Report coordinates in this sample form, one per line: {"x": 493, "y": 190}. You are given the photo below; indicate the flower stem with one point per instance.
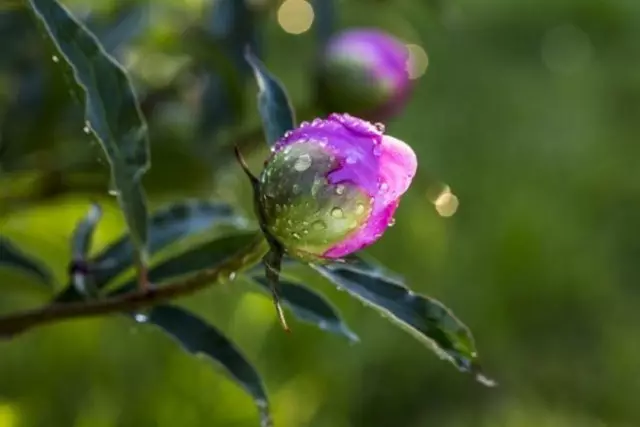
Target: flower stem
{"x": 14, "y": 324}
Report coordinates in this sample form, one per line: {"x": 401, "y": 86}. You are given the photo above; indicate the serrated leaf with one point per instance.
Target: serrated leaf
{"x": 83, "y": 233}
{"x": 198, "y": 337}
{"x": 274, "y": 105}
{"x": 166, "y": 226}
{"x": 13, "y": 257}
{"x": 309, "y": 306}
{"x": 112, "y": 113}
{"x": 425, "y": 318}
{"x": 204, "y": 256}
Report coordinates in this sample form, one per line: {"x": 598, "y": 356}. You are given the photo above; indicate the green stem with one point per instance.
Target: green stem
{"x": 14, "y": 324}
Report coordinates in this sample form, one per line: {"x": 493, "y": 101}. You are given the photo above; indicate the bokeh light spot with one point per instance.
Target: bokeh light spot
{"x": 446, "y": 203}
{"x": 417, "y": 62}
{"x": 295, "y": 16}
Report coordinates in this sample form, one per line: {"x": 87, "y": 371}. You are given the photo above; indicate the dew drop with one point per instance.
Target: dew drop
{"x": 114, "y": 192}
{"x": 351, "y": 159}
{"x": 316, "y": 122}
{"x": 380, "y": 127}
{"x": 86, "y": 130}
{"x": 302, "y": 163}
{"x": 304, "y": 124}
{"x": 55, "y": 59}
{"x": 295, "y": 189}
{"x": 392, "y": 222}
{"x": 340, "y": 189}
{"x": 287, "y": 134}
{"x": 384, "y": 187}
{"x": 337, "y": 213}
{"x": 296, "y": 235}
{"x": 319, "y": 225}
{"x": 232, "y": 275}
{"x": 359, "y": 209}
{"x": 141, "y": 318}
{"x": 278, "y": 208}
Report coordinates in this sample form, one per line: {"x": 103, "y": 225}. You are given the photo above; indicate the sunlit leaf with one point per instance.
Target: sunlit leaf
{"x": 166, "y": 226}
{"x": 198, "y": 337}
{"x": 13, "y": 257}
{"x": 309, "y": 306}
{"x": 274, "y": 105}
{"x": 112, "y": 113}
{"x": 425, "y": 318}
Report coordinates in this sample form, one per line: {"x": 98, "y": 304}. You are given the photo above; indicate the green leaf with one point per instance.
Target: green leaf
{"x": 12, "y": 257}
{"x": 112, "y": 113}
{"x": 309, "y": 306}
{"x": 198, "y": 337}
{"x": 121, "y": 26}
{"x": 274, "y": 105}
{"x": 202, "y": 257}
{"x": 425, "y": 318}
{"x": 166, "y": 226}
{"x": 83, "y": 233}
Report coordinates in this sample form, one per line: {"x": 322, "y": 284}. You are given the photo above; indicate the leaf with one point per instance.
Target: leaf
{"x": 12, "y": 257}
{"x": 204, "y": 256}
{"x": 111, "y": 111}
{"x": 83, "y": 233}
{"x": 425, "y": 318}
{"x": 198, "y": 337}
{"x": 166, "y": 226}
{"x": 274, "y": 105}
{"x": 309, "y": 306}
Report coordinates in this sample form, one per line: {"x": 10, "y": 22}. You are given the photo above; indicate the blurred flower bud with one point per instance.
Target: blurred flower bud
{"x": 331, "y": 187}
{"x": 364, "y": 72}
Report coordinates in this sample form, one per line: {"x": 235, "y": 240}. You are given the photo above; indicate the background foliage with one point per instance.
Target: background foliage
{"x": 528, "y": 111}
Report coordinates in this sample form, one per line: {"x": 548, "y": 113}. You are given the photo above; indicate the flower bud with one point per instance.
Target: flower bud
{"x": 331, "y": 187}
{"x": 364, "y": 72}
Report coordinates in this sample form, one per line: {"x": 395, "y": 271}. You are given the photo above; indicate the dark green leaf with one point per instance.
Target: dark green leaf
{"x": 309, "y": 306}
{"x": 198, "y": 337}
{"x": 207, "y": 255}
{"x": 12, "y": 257}
{"x": 111, "y": 110}
{"x": 425, "y": 318}
{"x": 275, "y": 109}
{"x": 83, "y": 233}
{"x": 167, "y": 226}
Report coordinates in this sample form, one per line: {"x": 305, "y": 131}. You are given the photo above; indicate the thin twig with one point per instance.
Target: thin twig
{"x": 13, "y": 324}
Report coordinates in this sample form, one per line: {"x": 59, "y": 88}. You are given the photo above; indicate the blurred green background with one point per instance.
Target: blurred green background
{"x": 529, "y": 110}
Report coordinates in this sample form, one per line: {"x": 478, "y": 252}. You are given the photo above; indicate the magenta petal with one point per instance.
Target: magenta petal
{"x": 398, "y": 165}
{"x": 367, "y": 235}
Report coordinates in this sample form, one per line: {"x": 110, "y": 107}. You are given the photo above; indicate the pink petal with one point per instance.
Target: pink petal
{"x": 398, "y": 165}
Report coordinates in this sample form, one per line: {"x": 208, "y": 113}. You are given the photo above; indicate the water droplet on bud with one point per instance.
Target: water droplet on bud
{"x": 319, "y": 225}
{"x": 340, "y": 189}
{"x": 302, "y": 163}
{"x": 380, "y": 127}
{"x": 359, "y": 209}
{"x": 383, "y": 187}
{"x": 54, "y": 58}
{"x": 337, "y": 213}
{"x": 296, "y": 235}
{"x": 140, "y": 318}
{"x": 392, "y": 222}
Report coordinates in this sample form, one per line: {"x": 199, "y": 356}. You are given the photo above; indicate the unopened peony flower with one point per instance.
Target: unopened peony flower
{"x": 364, "y": 72}
{"x": 331, "y": 187}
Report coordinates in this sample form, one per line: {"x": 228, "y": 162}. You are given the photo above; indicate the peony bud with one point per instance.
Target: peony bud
{"x": 331, "y": 187}
{"x": 364, "y": 72}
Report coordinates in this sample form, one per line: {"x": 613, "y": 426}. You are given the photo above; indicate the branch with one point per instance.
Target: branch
{"x": 14, "y": 324}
